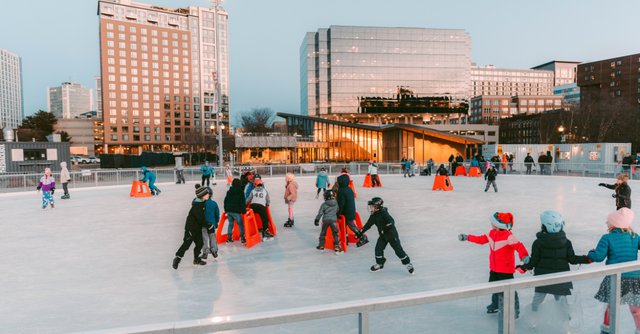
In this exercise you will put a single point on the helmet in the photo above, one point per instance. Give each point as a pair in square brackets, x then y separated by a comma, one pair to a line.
[328, 194]
[492, 164]
[375, 204]
[257, 183]
[552, 221]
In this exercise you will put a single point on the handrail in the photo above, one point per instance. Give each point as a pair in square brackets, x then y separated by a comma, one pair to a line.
[364, 306]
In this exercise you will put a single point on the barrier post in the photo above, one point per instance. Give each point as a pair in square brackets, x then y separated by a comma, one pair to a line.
[363, 322]
[614, 302]
[95, 176]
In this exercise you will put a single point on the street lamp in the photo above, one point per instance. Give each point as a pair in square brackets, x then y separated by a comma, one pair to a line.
[216, 5]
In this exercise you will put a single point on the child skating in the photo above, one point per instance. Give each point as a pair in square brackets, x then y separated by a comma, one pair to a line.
[259, 201]
[502, 245]
[619, 245]
[329, 214]
[211, 219]
[290, 197]
[48, 186]
[552, 252]
[235, 206]
[623, 191]
[65, 177]
[490, 176]
[387, 235]
[193, 229]
[148, 175]
[322, 181]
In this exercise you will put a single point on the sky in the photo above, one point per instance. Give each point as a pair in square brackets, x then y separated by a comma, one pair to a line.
[58, 40]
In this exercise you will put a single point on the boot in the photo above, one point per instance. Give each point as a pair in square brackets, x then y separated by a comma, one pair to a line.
[410, 268]
[204, 255]
[289, 223]
[266, 235]
[229, 239]
[243, 240]
[198, 262]
[338, 249]
[214, 252]
[320, 247]
[176, 262]
[376, 267]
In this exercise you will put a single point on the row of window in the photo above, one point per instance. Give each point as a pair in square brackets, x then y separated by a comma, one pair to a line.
[134, 64]
[167, 138]
[145, 55]
[155, 89]
[144, 40]
[145, 81]
[144, 31]
[147, 129]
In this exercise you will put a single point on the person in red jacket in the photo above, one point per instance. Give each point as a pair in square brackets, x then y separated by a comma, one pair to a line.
[502, 245]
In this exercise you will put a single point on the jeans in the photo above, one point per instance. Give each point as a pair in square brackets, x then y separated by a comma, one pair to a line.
[180, 176]
[209, 241]
[234, 218]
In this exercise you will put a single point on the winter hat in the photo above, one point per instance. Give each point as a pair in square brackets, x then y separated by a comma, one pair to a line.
[552, 221]
[492, 164]
[621, 218]
[201, 191]
[502, 220]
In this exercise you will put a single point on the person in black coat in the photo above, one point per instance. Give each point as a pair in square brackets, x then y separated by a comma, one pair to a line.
[388, 235]
[529, 162]
[347, 206]
[551, 252]
[490, 176]
[235, 207]
[193, 228]
[623, 191]
[442, 170]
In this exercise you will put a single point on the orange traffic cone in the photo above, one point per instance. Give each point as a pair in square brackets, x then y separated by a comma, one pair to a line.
[442, 182]
[139, 189]
[367, 181]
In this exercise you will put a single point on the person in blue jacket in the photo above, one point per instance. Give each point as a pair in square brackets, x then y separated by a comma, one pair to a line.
[150, 176]
[620, 245]
[211, 219]
[206, 171]
[322, 181]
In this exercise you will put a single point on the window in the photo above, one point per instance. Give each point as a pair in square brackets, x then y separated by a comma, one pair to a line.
[35, 154]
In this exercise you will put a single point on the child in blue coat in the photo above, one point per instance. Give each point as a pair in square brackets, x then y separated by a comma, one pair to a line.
[150, 176]
[621, 244]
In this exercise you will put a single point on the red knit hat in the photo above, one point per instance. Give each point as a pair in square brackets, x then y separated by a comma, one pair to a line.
[502, 220]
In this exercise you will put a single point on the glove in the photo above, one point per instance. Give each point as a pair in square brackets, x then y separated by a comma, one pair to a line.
[316, 222]
[38, 188]
[601, 184]
[358, 235]
[526, 259]
[521, 269]
[463, 237]
[53, 190]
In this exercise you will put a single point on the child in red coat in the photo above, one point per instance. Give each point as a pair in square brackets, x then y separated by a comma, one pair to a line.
[502, 245]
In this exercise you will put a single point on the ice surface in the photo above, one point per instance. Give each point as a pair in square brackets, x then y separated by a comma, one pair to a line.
[103, 260]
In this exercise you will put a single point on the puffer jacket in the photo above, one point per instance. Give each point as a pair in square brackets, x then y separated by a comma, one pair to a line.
[234, 201]
[552, 253]
[47, 183]
[196, 219]
[346, 198]
[291, 192]
[502, 245]
[65, 177]
[623, 195]
[381, 219]
[328, 211]
[322, 180]
[617, 246]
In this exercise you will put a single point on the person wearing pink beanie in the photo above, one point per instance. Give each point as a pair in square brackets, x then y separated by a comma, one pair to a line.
[619, 245]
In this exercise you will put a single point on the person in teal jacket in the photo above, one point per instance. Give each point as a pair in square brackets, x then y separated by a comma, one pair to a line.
[621, 244]
[322, 181]
[150, 176]
[206, 171]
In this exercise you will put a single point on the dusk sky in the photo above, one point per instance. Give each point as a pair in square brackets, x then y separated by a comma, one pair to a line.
[58, 40]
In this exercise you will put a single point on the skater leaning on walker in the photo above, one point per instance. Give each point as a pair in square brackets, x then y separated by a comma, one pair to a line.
[259, 201]
[623, 191]
[235, 206]
[387, 235]
[329, 214]
[347, 207]
[150, 176]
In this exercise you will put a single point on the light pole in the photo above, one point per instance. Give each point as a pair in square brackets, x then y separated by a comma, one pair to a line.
[216, 5]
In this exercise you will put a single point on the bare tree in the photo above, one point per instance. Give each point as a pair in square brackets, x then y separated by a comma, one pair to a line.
[258, 120]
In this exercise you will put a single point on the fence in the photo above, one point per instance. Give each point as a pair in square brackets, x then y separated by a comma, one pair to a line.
[362, 308]
[108, 177]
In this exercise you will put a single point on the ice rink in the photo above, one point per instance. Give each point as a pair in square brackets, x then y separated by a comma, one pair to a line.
[103, 260]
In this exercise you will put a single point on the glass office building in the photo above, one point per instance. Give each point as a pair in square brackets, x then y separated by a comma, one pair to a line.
[385, 75]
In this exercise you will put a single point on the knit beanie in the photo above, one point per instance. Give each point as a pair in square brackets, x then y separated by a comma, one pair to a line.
[201, 191]
[502, 220]
[621, 218]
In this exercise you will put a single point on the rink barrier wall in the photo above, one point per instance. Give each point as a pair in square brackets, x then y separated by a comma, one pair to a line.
[362, 308]
[110, 177]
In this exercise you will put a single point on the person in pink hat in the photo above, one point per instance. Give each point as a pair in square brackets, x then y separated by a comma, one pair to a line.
[619, 245]
[48, 186]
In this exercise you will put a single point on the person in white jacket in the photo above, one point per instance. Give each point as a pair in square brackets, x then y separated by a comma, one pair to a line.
[373, 171]
[65, 177]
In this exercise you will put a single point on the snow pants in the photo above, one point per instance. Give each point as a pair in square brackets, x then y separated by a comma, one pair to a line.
[191, 237]
[390, 237]
[334, 232]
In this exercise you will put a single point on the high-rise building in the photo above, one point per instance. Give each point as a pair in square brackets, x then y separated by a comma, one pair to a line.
[489, 80]
[11, 100]
[158, 67]
[564, 72]
[98, 97]
[385, 75]
[611, 83]
[69, 100]
[490, 109]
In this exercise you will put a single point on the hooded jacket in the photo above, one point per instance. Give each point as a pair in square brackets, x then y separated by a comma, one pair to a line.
[322, 180]
[502, 244]
[196, 218]
[291, 192]
[346, 198]
[328, 211]
[206, 170]
[373, 169]
[259, 195]
[148, 176]
[552, 253]
[64, 173]
[235, 201]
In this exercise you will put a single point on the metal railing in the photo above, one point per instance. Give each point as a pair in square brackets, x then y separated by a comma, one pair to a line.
[362, 308]
[108, 177]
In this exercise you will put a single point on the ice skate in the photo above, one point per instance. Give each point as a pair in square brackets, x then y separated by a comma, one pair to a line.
[214, 252]
[289, 223]
[229, 239]
[198, 262]
[320, 247]
[243, 240]
[158, 192]
[376, 267]
[52, 206]
[204, 255]
[267, 236]
[176, 262]
[410, 268]
[492, 309]
[338, 250]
